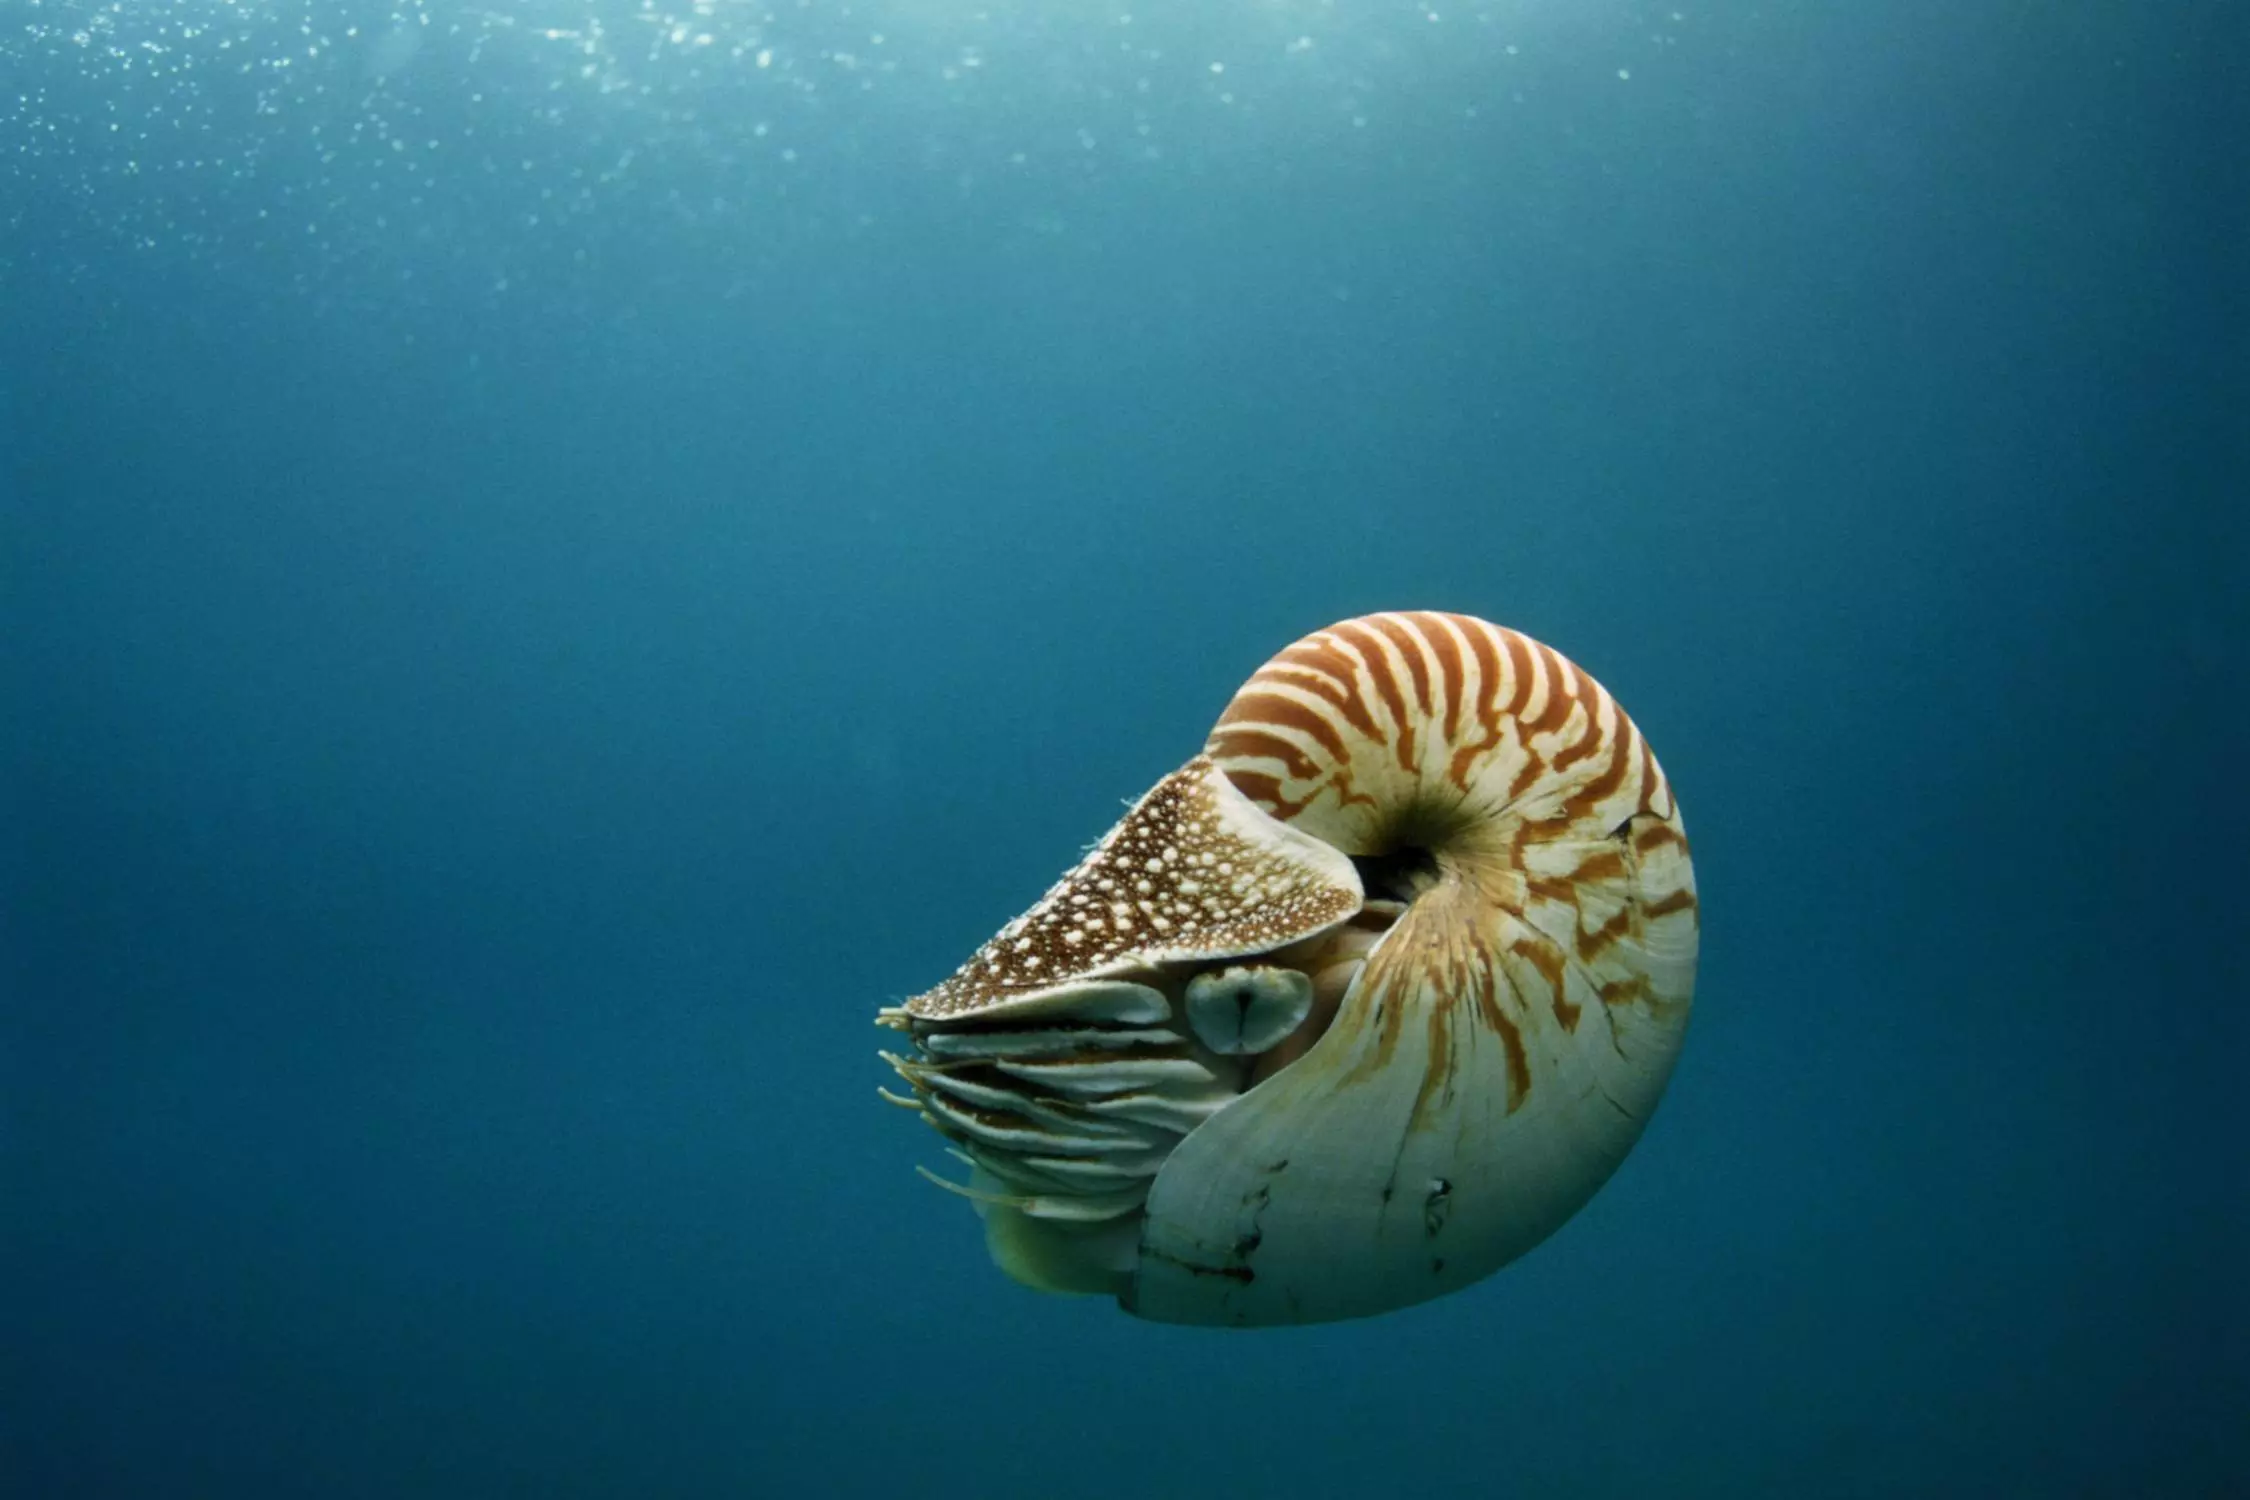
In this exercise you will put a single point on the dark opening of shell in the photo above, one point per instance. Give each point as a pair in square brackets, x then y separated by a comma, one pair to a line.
[1400, 874]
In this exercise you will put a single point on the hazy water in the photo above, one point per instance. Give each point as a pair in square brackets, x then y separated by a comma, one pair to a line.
[557, 556]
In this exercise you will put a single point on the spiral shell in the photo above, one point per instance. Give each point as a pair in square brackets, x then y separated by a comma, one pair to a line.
[1354, 1008]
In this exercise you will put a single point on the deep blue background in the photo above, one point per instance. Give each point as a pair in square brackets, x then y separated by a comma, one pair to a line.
[502, 680]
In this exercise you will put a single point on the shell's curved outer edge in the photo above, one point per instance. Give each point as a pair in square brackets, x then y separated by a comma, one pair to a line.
[1192, 872]
[1504, 1043]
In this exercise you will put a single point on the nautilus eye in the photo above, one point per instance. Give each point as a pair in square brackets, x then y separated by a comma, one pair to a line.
[1245, 1009]
[1355, 1007]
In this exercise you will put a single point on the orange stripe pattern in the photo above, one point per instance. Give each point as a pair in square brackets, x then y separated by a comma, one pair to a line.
[1556, 875]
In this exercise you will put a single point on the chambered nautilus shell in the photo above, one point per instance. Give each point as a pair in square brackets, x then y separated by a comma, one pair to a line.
[1349, 1011]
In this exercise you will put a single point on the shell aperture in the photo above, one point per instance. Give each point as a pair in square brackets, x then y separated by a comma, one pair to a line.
[1357, 1006]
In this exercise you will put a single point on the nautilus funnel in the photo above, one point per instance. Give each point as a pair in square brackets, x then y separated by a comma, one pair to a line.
[1358, 1005]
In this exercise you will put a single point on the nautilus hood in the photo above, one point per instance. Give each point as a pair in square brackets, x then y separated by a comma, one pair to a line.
[1193, 872]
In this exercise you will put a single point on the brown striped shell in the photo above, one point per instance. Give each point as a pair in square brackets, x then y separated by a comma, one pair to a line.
[1476, 869]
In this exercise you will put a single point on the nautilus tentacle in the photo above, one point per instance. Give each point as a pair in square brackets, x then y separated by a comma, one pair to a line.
[1357, 1006]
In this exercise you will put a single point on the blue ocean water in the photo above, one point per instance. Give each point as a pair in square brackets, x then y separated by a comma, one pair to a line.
[555, 557]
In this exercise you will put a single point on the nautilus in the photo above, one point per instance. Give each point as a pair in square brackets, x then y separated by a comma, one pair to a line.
[1349, 1011]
